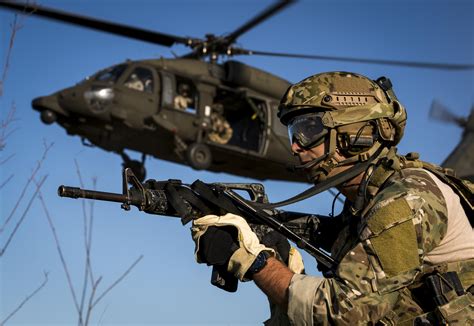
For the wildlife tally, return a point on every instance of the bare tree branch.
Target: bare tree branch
(25, 188)
(7, 159)
(91, 299)
(60, 252)
(87, 245)
(116, 282)
(7, 180)
(25, 212)
(5, 126)
(102, 315)
(91, 224)
(4, 133)
(84, 316)
(26, 300)
(15, 26)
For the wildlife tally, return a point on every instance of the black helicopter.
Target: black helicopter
(190, 110)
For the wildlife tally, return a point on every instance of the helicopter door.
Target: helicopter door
(138, 95)
(240, 122)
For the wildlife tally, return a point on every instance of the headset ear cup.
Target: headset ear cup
(399, 120)
(357, 138)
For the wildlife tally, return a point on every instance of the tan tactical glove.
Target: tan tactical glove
(227, 239)
(295, 261)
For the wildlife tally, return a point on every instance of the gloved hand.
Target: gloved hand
(227, 240)
(272, 239)
(289, 255)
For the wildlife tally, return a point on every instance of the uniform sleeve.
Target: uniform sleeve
(407, 220)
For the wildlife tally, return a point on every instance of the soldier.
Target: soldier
(183, 100)
(221, 131)
(135, 83)
(405, 240)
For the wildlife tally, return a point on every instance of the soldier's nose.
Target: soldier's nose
(296, 148)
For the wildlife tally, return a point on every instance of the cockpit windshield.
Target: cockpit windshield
(111, 74)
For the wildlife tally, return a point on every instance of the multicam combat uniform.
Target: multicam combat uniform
(412, 226)
(221, 131)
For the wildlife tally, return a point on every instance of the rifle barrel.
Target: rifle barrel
(74, 192)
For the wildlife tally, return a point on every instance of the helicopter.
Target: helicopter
(462, 157)
(191, 110)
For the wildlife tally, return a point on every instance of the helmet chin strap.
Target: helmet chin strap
(320, 187)
(328, 183)
(309, 164)
(330, 162)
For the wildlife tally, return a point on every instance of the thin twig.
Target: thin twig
(116, 282)
(26, 299)
(22, 218)
(5, 124)
(87, 265)
(91, 299)
(7, 180)
(9, 119)
(30, 179)
(91, 225)
(15, 26)
(102, 315)
(60, 252)
(7, 159)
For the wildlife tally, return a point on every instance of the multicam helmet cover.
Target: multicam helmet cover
(361, 113)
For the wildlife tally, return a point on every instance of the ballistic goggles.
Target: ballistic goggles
(307, 130)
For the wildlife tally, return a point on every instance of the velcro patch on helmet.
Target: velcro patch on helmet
(349, 99)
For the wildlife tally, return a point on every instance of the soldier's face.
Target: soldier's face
(306, 155)
(314, 153)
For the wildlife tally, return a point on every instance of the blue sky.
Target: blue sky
(167, 286)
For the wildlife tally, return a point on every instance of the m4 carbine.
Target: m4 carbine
(174, 198)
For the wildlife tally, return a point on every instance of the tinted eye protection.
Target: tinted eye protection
(307, 130)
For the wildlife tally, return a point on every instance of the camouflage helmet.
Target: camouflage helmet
(347, 100)
(352, 114)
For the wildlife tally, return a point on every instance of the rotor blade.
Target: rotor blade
(96, 24)
(194, 54)
(440, 112)
(258, 19)
(413, 64)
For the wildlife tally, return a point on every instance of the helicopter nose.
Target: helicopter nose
(48, 107)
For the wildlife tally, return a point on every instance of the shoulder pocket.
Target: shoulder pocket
(393, 237)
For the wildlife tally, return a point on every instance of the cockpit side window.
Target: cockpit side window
(140, 79)
(111, 74)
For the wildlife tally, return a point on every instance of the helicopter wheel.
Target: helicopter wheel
(199, 156)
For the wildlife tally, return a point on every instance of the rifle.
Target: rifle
(174, 198)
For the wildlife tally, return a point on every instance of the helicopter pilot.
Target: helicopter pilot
(135, 83)
(183, 100)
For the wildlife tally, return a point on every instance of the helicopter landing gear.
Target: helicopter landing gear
(138, 168)
(198, 156)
